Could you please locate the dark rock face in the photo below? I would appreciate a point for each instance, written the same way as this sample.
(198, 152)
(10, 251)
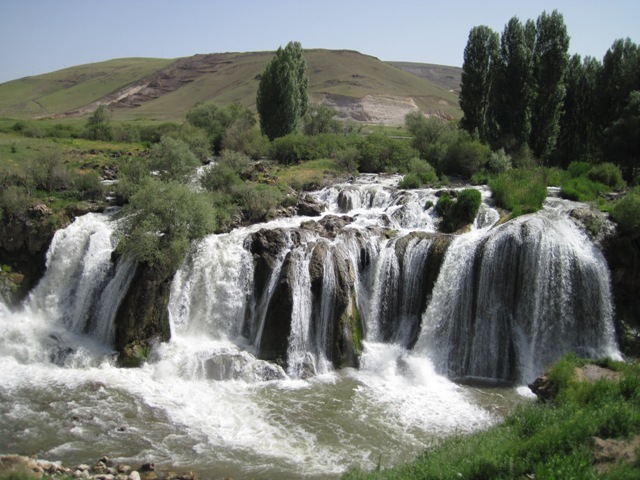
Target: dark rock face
(143, 316)
(277, 324)
(23, 246)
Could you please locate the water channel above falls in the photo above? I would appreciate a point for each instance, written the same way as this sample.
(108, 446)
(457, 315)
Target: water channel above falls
(504, 301)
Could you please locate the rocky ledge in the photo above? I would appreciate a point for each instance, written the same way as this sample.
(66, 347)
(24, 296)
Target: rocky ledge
(103, 469)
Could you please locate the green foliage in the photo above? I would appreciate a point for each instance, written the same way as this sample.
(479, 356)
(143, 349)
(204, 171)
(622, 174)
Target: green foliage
(160, 221)
(14, 202)
(381, 153)
(282, 93)
(465, 157)
(582, 189)
(551, 60)
(223, 126)
(88, 186)
(321, 119)
(513, 91)
(578, 169)
(421, 174)
(290, 149)
(347, 159)
(257, 200)
(626, 213)
(98, 125)
(429, 134)
(621, 139)
(48, 172)
(607, 173)
(172, 159)
(456, 214)
(520, 191)
(499, 162)
(480, 58)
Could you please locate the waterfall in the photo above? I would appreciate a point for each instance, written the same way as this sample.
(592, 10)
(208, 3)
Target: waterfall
(265, 318)
(511, 300)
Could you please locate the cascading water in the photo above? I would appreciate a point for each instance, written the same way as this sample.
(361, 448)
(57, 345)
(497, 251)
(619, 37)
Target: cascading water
(261, 316)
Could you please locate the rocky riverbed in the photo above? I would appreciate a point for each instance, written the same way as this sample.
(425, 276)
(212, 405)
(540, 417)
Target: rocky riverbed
(103, 469)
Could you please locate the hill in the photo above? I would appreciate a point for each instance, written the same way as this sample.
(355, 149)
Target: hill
(445, 76)
(359, 86)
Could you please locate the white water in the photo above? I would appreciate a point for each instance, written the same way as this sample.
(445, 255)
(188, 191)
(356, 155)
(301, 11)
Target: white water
(205, 402)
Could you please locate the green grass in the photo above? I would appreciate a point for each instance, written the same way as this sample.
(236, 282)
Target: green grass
(520, 190)
(307, 175)
(539, 440)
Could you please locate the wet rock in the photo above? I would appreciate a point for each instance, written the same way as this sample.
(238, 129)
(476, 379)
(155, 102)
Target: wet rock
(544, 388)
(134, 476)
(83, 467)
(125, 469)
(308, 207)
(147, 467)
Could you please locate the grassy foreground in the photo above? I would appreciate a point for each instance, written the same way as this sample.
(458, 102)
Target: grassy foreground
(554, 440)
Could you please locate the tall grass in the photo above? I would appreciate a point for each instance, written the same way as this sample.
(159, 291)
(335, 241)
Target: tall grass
(520, 190)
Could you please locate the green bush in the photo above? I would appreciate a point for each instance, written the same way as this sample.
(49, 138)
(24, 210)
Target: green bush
(257, 200)
(626, 213)
(88, 186)
(250, 142)
(221, 178)
(347, 159)
(14, 202)
(578, 169)
(608, 174)
(456, 214)
(465, 157)
(290, 149)
(172, 159)
(499, 162)
(160, 221)
(520, 190)
(381, 153)
(420, 174)
(410, 181)
(581, 189)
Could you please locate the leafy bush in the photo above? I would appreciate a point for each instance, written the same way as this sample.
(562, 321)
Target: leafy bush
(290, 149)
(499, 162)
(465, 157)
(626, 213)
(347, 159)
(160, 221)
(381, 153)
(520, 190)
(14, 202)
(88, 186)
(250, 142)
(608, 174)
(221, 178)
(420, 174)
(172, 159)
(257, 200)
(321, 119)
(581, 189)
(456, 214)
(578, 169)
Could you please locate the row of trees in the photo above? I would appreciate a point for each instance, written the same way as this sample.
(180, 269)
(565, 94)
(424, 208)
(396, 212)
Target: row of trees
(522, 91)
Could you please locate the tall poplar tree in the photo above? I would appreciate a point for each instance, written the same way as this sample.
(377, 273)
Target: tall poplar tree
(551, 59)
(513, 96)
(480, 56)
(282, 94)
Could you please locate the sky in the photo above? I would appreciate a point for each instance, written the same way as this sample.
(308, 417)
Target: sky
(41, 36)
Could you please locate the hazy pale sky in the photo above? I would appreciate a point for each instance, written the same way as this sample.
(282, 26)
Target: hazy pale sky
(40, 36)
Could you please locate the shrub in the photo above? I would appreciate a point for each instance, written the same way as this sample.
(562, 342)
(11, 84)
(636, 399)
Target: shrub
(172, 159)
(410, 181)
(220, 177)
(519, 190)
(578, 169)
(499, 162)
(465, 157)
(625, 212)
(14, 201)
(420, 174)
(160, 221)
(321, 119)
(581, 189)
(257, 200)
(347, 159)
(608, 174)
(88, 186)
(463, 211)
(290, 149)
(380, 153)
(250, 142)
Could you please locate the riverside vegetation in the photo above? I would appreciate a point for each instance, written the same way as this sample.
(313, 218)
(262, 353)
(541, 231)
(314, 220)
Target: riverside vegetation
(51, 171)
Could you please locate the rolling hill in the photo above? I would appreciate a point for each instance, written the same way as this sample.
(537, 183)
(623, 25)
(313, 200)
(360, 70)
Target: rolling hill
(360, 87)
